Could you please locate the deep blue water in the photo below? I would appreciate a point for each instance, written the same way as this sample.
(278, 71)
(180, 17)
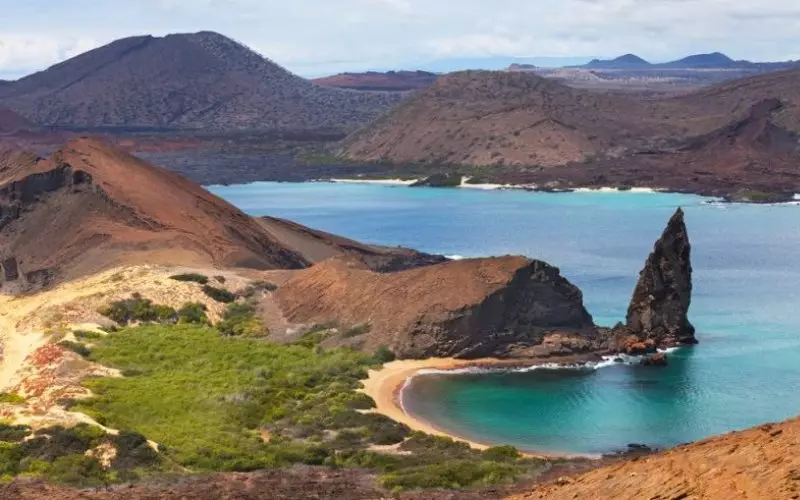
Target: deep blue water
(746, 303)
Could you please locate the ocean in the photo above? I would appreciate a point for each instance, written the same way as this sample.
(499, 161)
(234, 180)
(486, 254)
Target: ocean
(746, 306)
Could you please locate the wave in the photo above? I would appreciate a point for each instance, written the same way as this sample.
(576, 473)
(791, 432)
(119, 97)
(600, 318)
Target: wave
(607, 361)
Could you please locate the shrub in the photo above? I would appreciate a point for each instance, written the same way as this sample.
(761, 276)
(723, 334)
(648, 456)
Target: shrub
(77, 470)
(384, 355)
(76, 347)
(219, 294)
(13, 433)
(139, 309)
(10, 398)
(239, 320)
(191, 277)
(193, 312)
(501, 453)
(87, 335)
(133, 451)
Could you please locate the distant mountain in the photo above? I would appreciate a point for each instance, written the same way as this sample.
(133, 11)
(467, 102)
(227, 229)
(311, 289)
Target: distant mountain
(373, 80)
(626, 61)
(713, 60)
(184, 81)
(499, 63)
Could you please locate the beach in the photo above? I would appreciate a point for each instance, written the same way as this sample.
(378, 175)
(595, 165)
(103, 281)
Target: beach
(385, 387)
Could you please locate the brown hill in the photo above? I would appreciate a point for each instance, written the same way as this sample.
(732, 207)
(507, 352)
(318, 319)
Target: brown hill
(489, 118)
(12, 123)
(755, 464)
(470, 308)
(90, 206)
(184, 81)
(486, 118)
(395, 81)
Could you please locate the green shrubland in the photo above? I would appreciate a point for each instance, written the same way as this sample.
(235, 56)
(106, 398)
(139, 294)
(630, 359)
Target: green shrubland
(222, 398)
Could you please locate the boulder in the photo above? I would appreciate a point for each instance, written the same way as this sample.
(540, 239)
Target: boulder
(657, 359)
(660, 304)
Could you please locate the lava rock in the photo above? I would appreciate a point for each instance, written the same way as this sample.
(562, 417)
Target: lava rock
(657, 359)
(660, 304)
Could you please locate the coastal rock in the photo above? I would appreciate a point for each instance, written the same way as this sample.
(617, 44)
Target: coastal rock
(440, 180)
(659, 308)
(501, 307)
(657, 359)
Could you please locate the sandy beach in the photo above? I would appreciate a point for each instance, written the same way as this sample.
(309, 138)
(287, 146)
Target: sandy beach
(384, 386)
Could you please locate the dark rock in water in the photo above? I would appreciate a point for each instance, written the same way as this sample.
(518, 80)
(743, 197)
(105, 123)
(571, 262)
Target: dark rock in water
(660, 304)
(440, 180)
(657, 359)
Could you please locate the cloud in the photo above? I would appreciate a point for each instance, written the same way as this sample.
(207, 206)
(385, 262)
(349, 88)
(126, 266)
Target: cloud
(316, 36)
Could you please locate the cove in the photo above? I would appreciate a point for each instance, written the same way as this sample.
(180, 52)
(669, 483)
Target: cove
(747, 291)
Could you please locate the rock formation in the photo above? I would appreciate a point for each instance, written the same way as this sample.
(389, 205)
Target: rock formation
(659, 308)
(469, 309)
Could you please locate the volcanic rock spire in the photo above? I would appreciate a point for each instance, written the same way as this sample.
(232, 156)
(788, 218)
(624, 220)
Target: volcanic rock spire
(660, 304)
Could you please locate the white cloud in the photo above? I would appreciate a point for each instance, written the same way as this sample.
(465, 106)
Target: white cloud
(314, 36)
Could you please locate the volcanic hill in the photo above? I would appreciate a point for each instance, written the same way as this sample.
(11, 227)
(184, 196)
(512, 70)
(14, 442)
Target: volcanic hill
(191, 81)
(486, 118)
(90, 207)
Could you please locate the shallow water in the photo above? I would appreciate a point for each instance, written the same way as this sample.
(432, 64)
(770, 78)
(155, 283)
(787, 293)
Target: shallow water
(747, 293)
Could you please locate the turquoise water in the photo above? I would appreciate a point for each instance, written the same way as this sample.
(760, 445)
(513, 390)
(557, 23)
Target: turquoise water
(746, 370)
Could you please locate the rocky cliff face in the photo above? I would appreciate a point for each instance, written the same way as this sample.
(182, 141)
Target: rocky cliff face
(469, 309)
(660, 304)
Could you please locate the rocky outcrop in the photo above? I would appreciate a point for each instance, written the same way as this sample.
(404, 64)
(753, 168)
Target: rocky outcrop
(440, 180)
(659, 308)
(473, 308)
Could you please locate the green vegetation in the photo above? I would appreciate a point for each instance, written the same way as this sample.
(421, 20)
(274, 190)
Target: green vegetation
(191, 277)
(219, 294)
(239, 320)
(139, 309)
(220, 403)
(76, 347)
(384, 355)
(12, 399)
(87, 335)
(60, 455)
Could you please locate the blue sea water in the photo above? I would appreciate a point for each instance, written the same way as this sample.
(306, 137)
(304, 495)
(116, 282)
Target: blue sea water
(746, 306)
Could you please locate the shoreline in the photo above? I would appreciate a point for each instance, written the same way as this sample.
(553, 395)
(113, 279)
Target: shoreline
(385, 387)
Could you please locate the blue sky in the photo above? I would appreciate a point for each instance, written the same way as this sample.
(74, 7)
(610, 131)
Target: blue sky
(314, 37)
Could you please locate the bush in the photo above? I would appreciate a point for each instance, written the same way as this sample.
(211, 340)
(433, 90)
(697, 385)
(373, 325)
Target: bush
(77, 470)
(76, 347)
(384, 355)
(13, 433)
(191, 277)
(219, 294)
(501, 453)
(139, 309)
(87, 335)
(193, 312)
(10, 398)
(239, 320)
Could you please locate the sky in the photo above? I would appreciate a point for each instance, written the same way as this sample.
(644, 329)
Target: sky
(318, 37)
